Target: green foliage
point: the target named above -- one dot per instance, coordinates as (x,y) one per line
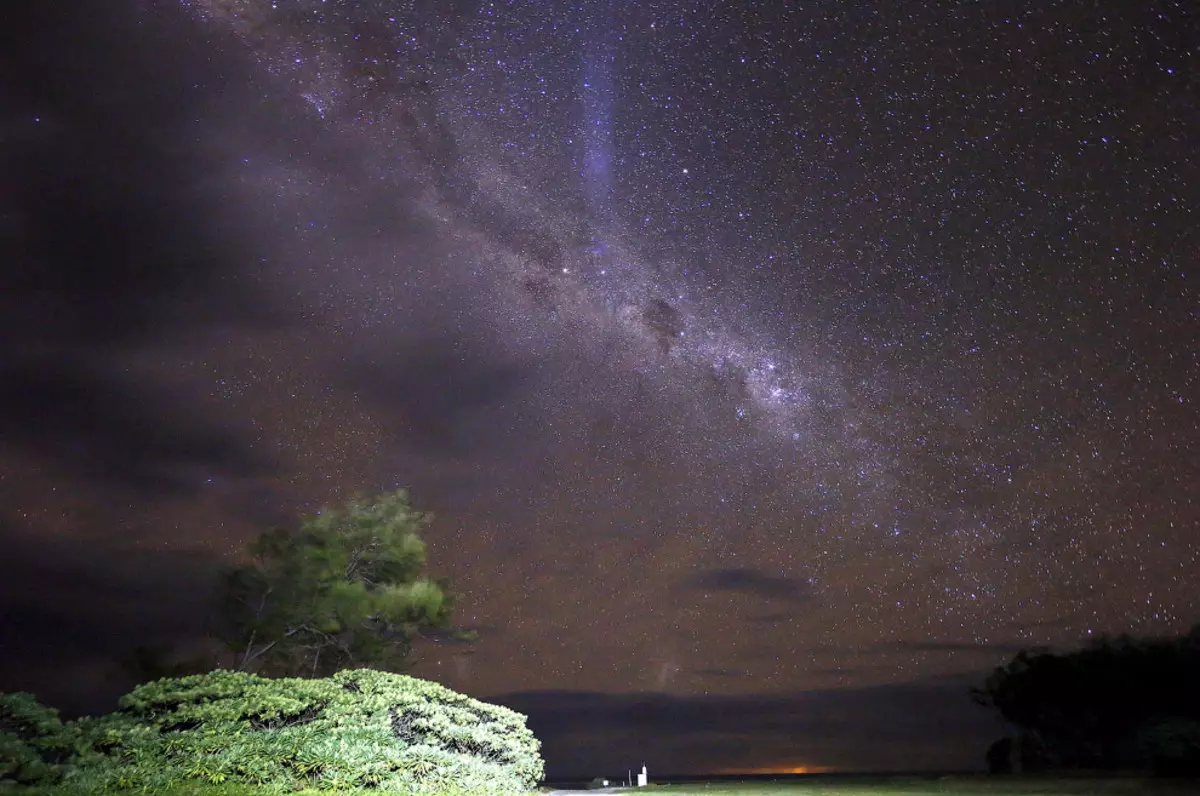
(33,740)
(357,729)
(344,590)
(20,762)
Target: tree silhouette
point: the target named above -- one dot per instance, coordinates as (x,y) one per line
(1118,703)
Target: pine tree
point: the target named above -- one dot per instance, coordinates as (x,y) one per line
(343,590)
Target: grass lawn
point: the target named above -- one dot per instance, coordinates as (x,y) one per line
(950,786)
(202,790)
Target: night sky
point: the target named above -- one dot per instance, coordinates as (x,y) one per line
(775,369)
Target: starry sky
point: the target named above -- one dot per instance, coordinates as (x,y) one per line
(774,369)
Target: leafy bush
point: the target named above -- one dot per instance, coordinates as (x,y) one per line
(359,728)
(34,743)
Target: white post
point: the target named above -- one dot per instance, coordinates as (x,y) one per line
(644,777)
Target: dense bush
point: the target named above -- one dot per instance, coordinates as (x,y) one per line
(34,743)
(359,728)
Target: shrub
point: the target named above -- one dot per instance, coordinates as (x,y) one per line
(34,743)
(359,728)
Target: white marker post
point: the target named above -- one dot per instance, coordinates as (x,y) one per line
(643,778)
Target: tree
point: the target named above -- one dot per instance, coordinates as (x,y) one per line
(343,590)
(999,756)
(1116,703)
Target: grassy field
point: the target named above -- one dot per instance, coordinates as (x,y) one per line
(816,786)
(949,786)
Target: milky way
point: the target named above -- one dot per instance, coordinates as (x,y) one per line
(744,350)
(782,241)
(484,109)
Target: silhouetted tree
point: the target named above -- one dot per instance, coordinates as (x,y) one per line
(1117,703)
(999,756)
(344,590)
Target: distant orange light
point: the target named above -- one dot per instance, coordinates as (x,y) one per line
(780,769)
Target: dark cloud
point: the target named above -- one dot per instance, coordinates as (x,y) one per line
(540,249)
(118,249)
(115,232)
(115,238)
(751,581)
(883,728)
(665,321)
(769,619)
(1056,623)
(844,671)
(949,646)
(442,396)
(93,422)
(77,607)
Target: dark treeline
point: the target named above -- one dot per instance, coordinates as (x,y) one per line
(1118,704)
